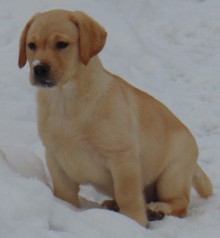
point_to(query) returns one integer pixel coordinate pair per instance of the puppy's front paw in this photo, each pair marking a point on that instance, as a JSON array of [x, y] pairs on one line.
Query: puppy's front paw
[[113, 206], [110, 205]]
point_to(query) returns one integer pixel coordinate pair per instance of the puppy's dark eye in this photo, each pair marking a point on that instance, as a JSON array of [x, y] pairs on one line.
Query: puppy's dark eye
[[61, 45], [32, 46]]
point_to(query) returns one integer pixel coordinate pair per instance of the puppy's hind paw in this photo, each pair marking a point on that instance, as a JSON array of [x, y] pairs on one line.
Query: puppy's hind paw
[[157, 211], [154, 216]]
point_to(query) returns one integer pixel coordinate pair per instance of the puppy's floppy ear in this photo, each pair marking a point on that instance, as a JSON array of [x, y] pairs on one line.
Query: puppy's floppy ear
[[22, 59], [92, 36]]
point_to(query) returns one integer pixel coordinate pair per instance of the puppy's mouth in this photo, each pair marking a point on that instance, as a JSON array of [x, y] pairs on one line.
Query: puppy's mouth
[[45, 83]]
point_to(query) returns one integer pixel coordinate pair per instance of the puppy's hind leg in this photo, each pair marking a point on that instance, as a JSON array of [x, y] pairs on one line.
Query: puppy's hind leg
[[173, 190], [174, 184]]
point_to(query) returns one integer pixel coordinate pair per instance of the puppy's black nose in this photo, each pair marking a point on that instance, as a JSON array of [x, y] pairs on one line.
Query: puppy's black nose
[[41, 71]]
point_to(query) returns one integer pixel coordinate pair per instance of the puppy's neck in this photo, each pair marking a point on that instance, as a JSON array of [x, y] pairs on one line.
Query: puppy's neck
[[92, 71], [91, 79]]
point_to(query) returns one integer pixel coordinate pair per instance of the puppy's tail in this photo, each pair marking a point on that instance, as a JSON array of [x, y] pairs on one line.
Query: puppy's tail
[[202, 183]]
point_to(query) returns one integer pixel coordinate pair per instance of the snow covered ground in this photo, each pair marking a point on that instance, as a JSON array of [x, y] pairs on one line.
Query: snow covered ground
[[170, 48]]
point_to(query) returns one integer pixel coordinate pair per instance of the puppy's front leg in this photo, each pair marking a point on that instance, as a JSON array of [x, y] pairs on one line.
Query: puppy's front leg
[[128, 189], [63, 187]]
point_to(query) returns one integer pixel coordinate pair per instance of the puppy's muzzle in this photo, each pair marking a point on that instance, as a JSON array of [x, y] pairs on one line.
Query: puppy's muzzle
[[42, 75]]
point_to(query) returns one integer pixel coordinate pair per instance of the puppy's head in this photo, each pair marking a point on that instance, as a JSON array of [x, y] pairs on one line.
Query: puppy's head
[[56, 42]]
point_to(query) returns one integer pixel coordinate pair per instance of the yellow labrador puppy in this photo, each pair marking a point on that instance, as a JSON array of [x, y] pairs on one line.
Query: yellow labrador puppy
[[98, 129]]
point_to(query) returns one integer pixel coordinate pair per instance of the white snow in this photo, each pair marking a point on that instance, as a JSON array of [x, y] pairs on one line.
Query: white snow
[[36, 62], [169, 48]]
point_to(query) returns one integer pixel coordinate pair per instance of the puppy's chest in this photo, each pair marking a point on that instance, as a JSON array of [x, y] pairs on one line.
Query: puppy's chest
[[69, 137]]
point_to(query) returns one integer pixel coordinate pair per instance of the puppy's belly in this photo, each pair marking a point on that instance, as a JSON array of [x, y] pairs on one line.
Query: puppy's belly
[[86, 167]]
